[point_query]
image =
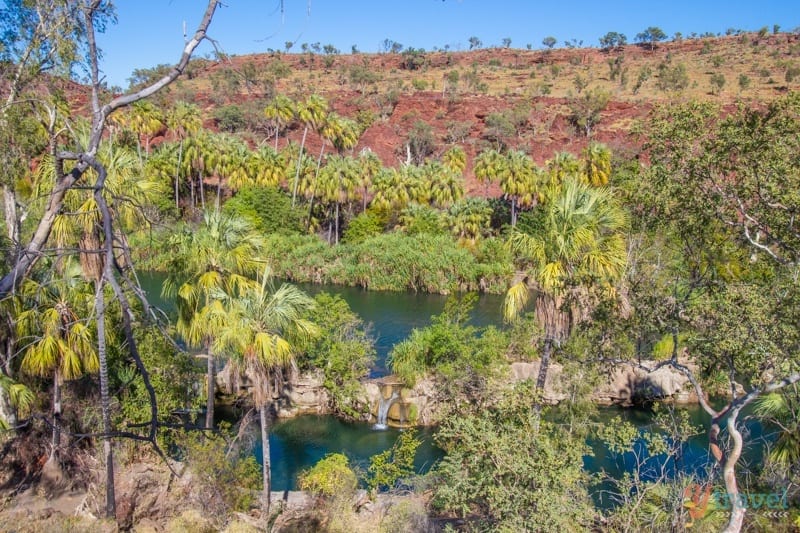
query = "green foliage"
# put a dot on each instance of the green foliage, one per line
(343, 351)
(651, 36)
(744, 81)
(387, 468)
(420, 141)
(230, 118)
(225, 476)
(393, 262)
(268, 209)
(613, 39)
(646, 495)
(585, 110)
(413, 58)
(672, 77)
(509, 471)
(331, 476)
(362, 76)
(461, 353)
(416, 219)
(172, 374)
(717, 82)
(365, 225)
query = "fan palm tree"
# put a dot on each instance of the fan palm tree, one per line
(197, 156)
(127, 189)
(216, 257)
(455, 159)
(390, 190)
(563, 165)
(268, 166)
(145, 119)
(579, 251)
(783, 409)
(183, 120)
(518, 179)
(444, 186)
(338, 183)
(312, 114)
(231, 160)
(596, 164)
(280, 111)
(55, 341)
(369, 167)
(261, 330)
(470, 219)
(490, 166)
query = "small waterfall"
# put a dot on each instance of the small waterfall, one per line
(383, 409)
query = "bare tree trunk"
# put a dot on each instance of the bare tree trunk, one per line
(10, 212)
(211, 387)
(105, 405)
(266, 466)
(32, 251)
(729, 476)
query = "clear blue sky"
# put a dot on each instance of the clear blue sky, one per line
(150, 32)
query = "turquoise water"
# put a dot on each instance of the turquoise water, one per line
(299, 443)
(390, 315)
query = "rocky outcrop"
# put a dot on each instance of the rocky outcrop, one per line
(421, 404)
(626, 385)
(306, 394)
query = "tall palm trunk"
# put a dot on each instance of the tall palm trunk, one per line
(202, 193)
(56, 412)
(336, 220)
(266, 474)
(297, 171)
(544, 366)
(210, 387)
(108, 452)
(177, 172)
(513, 211)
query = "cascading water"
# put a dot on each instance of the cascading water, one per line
(383, 409)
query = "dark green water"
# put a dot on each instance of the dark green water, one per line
(299, 443)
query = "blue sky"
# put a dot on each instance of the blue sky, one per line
(150, 32)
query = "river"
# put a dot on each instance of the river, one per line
(299, 443)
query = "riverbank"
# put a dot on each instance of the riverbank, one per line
(395, 262)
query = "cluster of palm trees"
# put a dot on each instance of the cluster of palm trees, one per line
(577, 253)
(336, 184)
(228, 305)
(525, 185)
